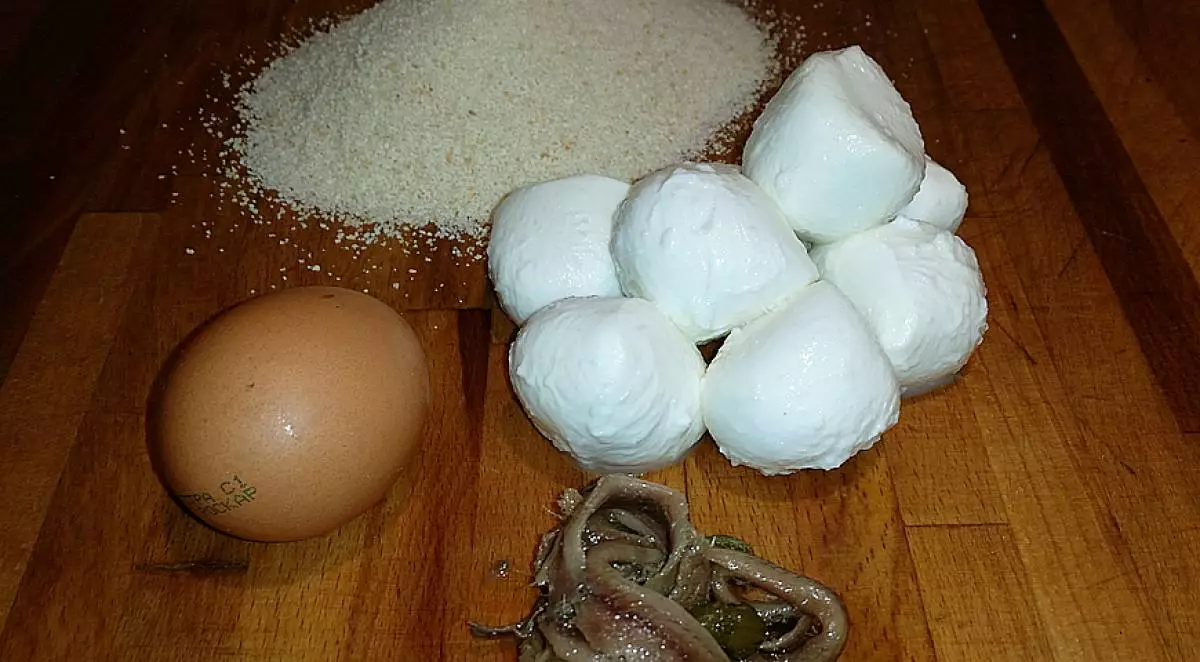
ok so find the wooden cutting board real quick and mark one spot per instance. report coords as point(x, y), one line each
point(1045, 507)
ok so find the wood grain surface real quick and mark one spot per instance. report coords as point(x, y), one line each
point(1045, 507)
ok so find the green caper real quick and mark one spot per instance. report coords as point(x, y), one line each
point(730, 542)
point(737, 628)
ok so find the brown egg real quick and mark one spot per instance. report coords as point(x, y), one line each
point(292, 413)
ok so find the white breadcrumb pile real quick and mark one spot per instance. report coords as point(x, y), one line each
point(424, 113)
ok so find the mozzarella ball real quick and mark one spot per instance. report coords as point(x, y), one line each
point(611, 382)
point(805, 387)
point(941, 201)
point(921, 292)
point(549, 241)
point(837, 147)
point(708, 247)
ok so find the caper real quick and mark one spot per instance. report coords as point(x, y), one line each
point(737, 628)
point(730, 542)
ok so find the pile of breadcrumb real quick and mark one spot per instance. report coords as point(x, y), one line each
point(421, 114)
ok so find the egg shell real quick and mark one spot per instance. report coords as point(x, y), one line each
point(292, 413)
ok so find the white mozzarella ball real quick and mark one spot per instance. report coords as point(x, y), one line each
point(837, 147)
point(941, 201)
point(708, 247)
point(611, 382)
point(805, 387)
point(920, 289)
point(550, 241)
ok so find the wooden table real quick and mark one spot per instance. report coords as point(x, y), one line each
point(1047, 507)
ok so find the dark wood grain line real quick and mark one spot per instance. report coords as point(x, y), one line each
point(1158, 292)
point(474, 347)
point(1154, 26)
point(203, 567)
point(474, 343)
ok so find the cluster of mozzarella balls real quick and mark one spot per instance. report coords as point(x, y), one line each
point(828, 263)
